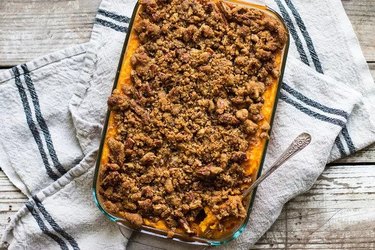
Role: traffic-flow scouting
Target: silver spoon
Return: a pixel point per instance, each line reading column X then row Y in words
column 297, row 145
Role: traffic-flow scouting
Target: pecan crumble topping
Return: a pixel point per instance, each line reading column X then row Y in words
column 191, row 113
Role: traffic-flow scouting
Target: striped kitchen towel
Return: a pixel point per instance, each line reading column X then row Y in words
column 52, row 110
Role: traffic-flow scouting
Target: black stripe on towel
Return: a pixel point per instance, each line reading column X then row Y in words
column 318, row 65
column 111, row 25
column 311, row 48
column 293, row 32
column 306, row 35
column 43, row 227
column 31, row 124
column 42, row 123
column 54, row 225
column 340, row 146
column 348, row 140
column 120, row 18
column 313, row 103
column 310, row 112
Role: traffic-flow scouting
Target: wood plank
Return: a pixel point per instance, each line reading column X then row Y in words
column 40, row 27
column 11, row 200
column 276, row 236
column 337, row 213
column 372, row 69
column 366, row 155
column 362, row 16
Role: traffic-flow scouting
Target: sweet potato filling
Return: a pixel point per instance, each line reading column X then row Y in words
column 190, row 115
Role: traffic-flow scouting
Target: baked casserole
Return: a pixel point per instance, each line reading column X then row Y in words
column 190, row 115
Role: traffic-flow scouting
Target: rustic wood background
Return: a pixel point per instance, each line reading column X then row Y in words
column 337, row 213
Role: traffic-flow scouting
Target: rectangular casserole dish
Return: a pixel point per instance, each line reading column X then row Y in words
column 255, row 156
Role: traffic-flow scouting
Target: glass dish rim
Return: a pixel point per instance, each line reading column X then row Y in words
column 160, row 233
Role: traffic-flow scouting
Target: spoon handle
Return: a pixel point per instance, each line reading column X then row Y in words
column 297, row 145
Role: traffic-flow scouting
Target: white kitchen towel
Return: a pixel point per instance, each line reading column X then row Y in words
column 52, row 110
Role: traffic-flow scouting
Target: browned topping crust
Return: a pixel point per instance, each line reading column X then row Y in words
column 192, row 112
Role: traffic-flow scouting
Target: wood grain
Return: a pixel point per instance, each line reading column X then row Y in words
column 29, row 29
column 337, row 213
column 11, row 200
column 362, row 16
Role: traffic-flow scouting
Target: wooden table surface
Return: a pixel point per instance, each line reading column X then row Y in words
column 337, row 213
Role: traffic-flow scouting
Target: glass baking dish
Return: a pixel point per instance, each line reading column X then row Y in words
column 271, row 95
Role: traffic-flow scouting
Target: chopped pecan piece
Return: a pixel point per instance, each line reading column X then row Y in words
column 228, row 119
column 208, row 171
column 117, row 150
column 242, row 114
column 148, row 158
column 133, row 218
column 250, row 127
